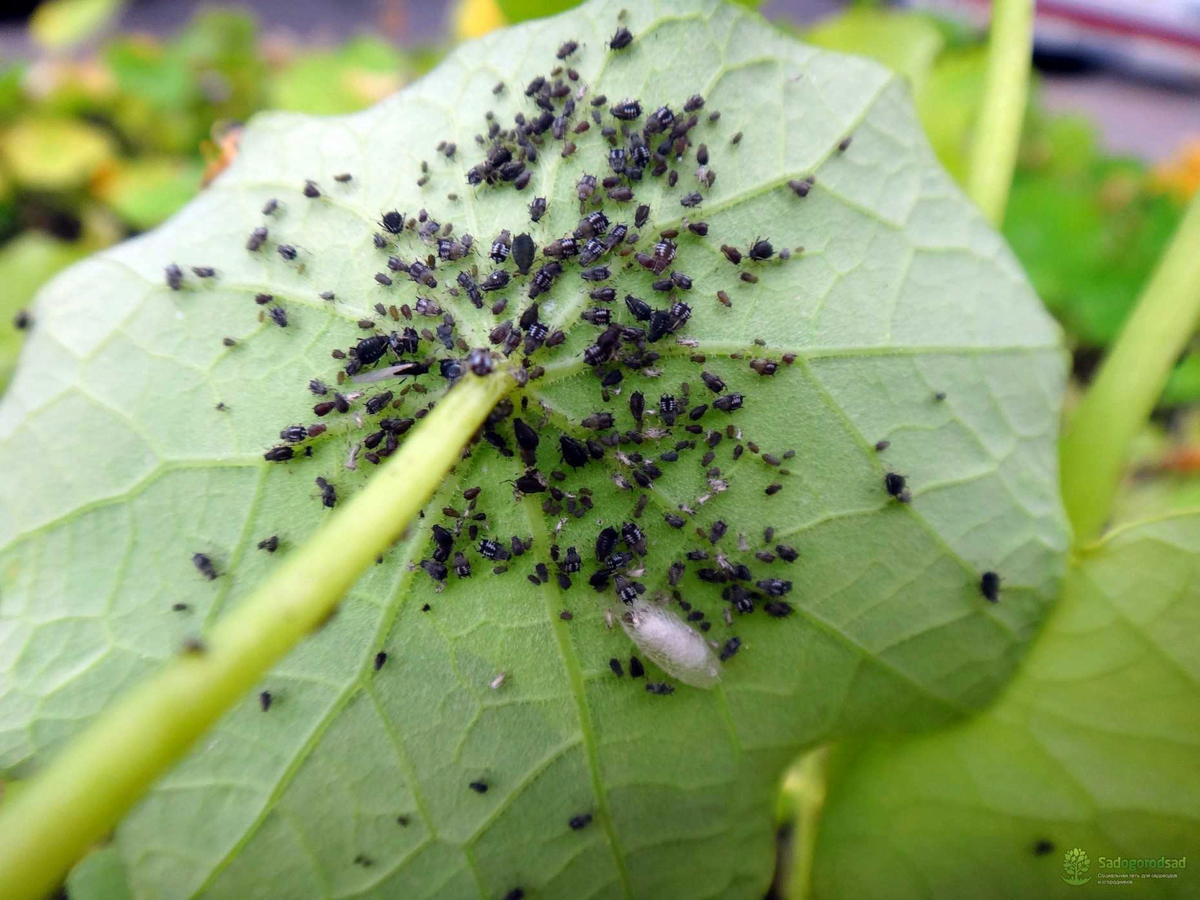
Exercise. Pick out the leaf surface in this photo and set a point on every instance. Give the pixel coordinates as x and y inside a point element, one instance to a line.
<point>1093,746</point>
<point>120,466</point>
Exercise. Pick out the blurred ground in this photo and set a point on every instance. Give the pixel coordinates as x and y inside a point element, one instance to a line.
<point>1138,118</point>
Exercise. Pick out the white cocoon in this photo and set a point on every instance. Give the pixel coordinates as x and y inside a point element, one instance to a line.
<point>671,644</point>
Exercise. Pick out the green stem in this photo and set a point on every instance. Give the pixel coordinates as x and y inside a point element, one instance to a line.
<point>104,771</point>
<point>998,131</point>
<point>808,787</point>
<point>1094,450</point>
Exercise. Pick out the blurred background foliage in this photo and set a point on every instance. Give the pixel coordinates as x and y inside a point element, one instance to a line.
<point>104,135</point>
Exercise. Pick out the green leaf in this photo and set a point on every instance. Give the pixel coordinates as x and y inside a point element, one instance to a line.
<point>902,291</point>
<point>1092,746</point>
<point>26,263</point>
<point>145,191</point>
<point>906,43</point>
<point>51,154</point>
<point>339,81</point>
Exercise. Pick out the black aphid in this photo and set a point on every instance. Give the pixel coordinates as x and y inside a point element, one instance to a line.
<point>571,562</point>
<point>380,659</point>
<point>328,492</point>
<point>567,48</point>
<point>691,199</point>
<point>543,279</point>
<point>287,251</point>
<point>257,238</point>
<point>634,538</point>
<point>264,700</point>
<point>598,273</point>
<point>989,586</point>
<point>270,544</point>
<point>379,402</point>
<point>205,565</point>
<point>778,609</point>
<point>761,249</point>
<point>294,434</point>
<point>493,550</point>
<point>462,565</point>
<point>637,406</point>
<point>270,206</point>
<point>606,541</point>
<point>311,190</point>
<point>733,254</point>
<point>659,688</point>
<point>383,278</point>
<point>522,252</point>
<point>369,350</point>
<point>626,110</point>
<point>497,279</point>
<point>618,670</point>
<point>480,787</point>
<point>717,531</point>
<point>1042,847</point>
<point>500,249</point>
<point>774,587</point>
<point>639,308</point>
<point>895,484</point>
<point>626,591</point>
<point>712,382</point>
<point>621,39</point>
<point>537,209</point>
<point>728,402</point>
<point>730,648</point>
<point>667,409</point>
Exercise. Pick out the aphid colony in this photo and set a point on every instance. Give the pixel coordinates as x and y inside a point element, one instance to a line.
<point>672,575</point>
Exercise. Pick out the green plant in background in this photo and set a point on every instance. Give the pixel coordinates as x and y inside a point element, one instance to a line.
<point>904,321</point>
<point>96,149</point>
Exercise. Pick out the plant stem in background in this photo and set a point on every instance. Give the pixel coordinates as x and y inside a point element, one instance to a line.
<point>998,131</point>
<point>103,772</point>
<point>807,783</point>
<point>1094,449</point>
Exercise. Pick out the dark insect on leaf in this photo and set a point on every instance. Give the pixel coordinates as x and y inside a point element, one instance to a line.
<point>522,252</point>
<point>626,110</point>
<point>761,249</point>
<point>574,453</point>
<point>728,402</point>
<point>204,564</point>
<point>606,542</point>
<point>667,409</point>
<point>537,209</point>
<point>989,586</point>
<point>896,486</point>
<point>691,199</point>
<point>660,689</point>
<point>493,550</point>
<point>621,39</point>
<point>639,308</point>
<point>328,493</point>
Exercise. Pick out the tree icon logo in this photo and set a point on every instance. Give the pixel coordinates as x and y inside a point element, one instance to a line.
<point>1075,867</point>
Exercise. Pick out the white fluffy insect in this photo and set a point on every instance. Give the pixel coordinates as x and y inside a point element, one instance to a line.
<point>671,644</point>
